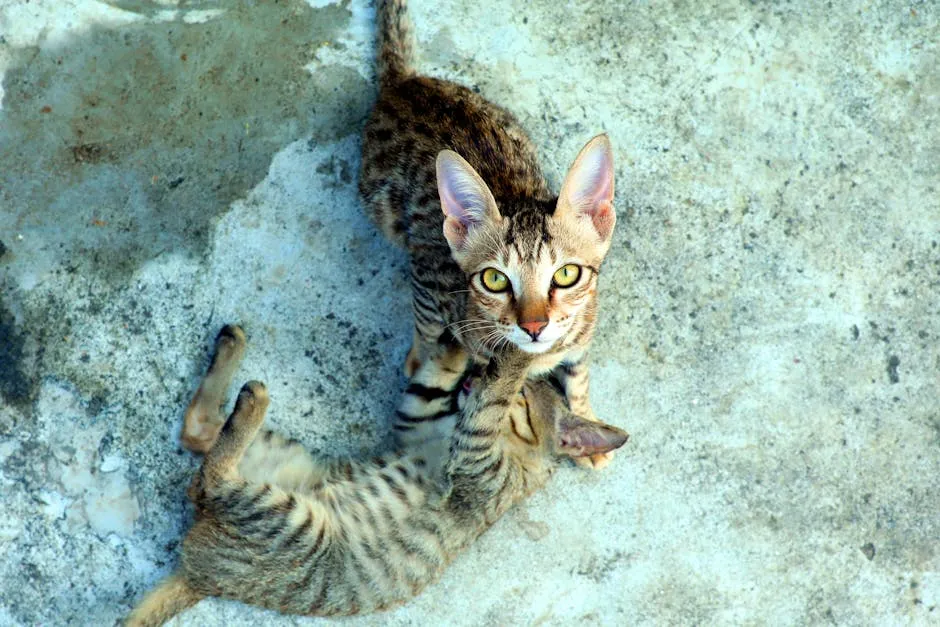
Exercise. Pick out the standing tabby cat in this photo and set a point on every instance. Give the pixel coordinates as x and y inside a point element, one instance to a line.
<point>506,261</point>
<point>280,529</point>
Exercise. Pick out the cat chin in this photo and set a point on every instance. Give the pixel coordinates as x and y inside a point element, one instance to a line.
<point>535,348</point>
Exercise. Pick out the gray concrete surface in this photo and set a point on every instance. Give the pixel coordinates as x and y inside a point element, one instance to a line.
<point>769,331</point>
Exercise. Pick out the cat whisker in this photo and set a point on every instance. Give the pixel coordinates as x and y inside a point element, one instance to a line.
<point>467,325</point>
<point>496,335</point>
<point>465,320</point>
<point>471,327</point>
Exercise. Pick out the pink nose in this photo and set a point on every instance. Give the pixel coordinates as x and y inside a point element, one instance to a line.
<point>533,327</point>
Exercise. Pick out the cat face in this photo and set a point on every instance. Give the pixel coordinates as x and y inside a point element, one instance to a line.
<point>537,289</point>
<point>532,270</point>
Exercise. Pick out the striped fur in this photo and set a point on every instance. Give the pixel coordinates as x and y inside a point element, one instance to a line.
<point>395,49</point>
<point>281,529</point>
<point>424,132</point>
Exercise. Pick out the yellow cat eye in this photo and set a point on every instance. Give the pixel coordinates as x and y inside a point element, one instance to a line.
<point>567,275</point>
<point>494,280</point>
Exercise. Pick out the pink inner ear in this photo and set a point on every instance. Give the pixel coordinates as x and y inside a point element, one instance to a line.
<point>603,219</point>
<point>464,195</point>
<point>589,186</point>
<point>601,189</point>
<point>455,232</point>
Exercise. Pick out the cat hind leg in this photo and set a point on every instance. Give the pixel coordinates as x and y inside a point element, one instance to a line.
<point>237,434</point>
<point>427,409</point>
<point>203,417</point>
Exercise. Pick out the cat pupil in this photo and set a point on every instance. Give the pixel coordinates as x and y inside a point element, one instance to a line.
<point>494,280</point>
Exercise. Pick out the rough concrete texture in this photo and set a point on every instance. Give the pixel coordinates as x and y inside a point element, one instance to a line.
<point>769,331</point>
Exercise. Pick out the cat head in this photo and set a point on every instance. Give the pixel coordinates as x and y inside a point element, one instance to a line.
<point>541,424</point>
<point>560,431</point>
<point>533,271</point>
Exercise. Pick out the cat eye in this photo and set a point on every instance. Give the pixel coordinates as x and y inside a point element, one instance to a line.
<point>494,280</point>
<point>567,275</point>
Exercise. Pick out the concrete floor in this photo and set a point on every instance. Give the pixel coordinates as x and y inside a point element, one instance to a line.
<point>769,328</point>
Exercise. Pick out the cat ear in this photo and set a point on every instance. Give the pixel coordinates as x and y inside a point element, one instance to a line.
<point>589,186</point>
<point>578,437</point>
<point>465,199</point>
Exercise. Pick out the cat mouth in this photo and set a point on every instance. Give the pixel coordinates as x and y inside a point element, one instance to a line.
<point>536,346</point>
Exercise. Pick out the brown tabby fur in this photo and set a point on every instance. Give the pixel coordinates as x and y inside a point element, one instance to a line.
<point>527,229</point>
<point>278,528</point>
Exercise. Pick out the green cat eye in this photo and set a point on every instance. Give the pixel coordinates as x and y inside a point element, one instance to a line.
<point>567,275</point>
<point>494,280</point>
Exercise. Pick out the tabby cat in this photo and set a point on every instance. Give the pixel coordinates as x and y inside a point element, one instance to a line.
<point>280,529</point>
<point>496,258</point>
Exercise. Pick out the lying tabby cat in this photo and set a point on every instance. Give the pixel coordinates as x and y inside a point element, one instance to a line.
<point>280,529</point>
<point>508,262</point>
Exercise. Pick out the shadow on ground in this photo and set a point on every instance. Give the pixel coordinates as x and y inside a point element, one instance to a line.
<point>125,143</point>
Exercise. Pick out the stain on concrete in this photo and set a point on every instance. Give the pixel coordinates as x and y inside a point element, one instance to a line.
<point>16,385</point>
<point>598,568</point>
<point>893,362</point>
<point>335,373</point>
<point>34,342</point>
<point>140,136</point>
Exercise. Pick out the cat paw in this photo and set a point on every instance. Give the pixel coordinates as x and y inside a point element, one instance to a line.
<point>595,462</point>
<point>251,405</point>
<point>200,428</point>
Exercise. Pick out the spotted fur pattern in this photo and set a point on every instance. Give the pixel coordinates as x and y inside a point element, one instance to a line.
<point>455,180</point>
<point>281,529</point>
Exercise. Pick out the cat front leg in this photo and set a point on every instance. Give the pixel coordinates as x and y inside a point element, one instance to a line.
<point>415,356</point>
<point>477,468</point>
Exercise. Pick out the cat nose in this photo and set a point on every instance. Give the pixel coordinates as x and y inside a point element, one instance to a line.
<point>534,327</point>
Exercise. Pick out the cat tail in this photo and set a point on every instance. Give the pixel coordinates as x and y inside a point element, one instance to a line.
<point>395,43</point>
<point>169,598</point>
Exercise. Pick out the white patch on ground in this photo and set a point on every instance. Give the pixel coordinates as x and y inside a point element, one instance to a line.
<point>111,507</point>
<point>48,24</point>
<point>354,48</point>
<point>107,502</point>
<point>54,504</point>
<point>198,17</point>
<point>25,24</point>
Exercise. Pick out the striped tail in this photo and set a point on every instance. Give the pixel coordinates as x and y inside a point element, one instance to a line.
<point>395,47</point>
<point>169,598</point>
